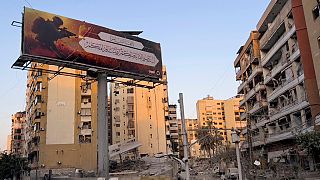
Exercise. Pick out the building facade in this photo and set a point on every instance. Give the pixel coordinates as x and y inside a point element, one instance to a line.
<point>220,114</point>
<point>17,137</point>
<point>139,114</point>
<point>172,130</point>
<point>278,81</point>
<point>311,13</point>
<point>191,127</point>
<point>61,121</point>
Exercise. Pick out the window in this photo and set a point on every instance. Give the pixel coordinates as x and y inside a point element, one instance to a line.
<point>84,139</point>
<point>151,145</point>
<point>319,42</point>
<point>117,125</point>
<point>86,125</point>
<point>117,133</point>
<point>130,91</point>
<point>151,136</point>
<point>316,12</point>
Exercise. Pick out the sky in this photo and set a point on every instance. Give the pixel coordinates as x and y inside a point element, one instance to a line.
<point>199,41</point>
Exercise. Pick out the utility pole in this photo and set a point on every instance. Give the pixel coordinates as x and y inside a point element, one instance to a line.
<point>185,137</point>
<point>103,154</point>
<point>236,140</point>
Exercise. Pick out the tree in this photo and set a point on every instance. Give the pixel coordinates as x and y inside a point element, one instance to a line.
<point>311,142</point>
<point>12,165</point>
<point>209,139</point>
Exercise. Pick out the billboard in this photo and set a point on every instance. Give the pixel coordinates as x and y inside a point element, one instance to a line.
<point>57,40</point>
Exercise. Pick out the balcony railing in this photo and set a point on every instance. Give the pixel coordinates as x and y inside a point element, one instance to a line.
<point>288,84</point>
<point>271,30</point>
<point>240,88</point>
<point>292,107</point>
<point>281,41</point>
<point>255,71</point>
<point>243,116</point>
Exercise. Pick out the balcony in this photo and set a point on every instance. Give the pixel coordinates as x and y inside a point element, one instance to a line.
<point>240,88</point>
<point>256,70</point>
<point>282,64</point>
<point>242,102</point>
<point>243,116</point>
<point>85,131</point>
<point>271,32</point>
<point>257,106</point>
<point>288,84</point>
<point>262,121</point>
<point>281,41</point>
<point>86,105</point>
<point>260,86</point>
<point>250,94</point>
<point>280,135</point>
<point>295,106</point>
<point>85,118</point>
<point>86,92</point>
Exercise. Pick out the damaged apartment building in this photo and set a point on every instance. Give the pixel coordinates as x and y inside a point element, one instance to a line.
<point>277,78</point>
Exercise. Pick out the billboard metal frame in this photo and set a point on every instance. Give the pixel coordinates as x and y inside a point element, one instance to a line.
<point>92,76</point>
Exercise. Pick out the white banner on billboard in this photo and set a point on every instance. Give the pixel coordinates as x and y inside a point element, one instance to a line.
<point>116,51</point>
<point>120,40</point>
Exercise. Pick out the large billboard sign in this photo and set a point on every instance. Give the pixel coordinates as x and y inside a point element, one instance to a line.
<point>57,40</point>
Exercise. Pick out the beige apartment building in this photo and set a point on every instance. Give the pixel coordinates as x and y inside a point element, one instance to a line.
<point>139,114</point>
<point>191,127</point>
<point>17,136</point>
<point>61,118</point>
<point>172,130</point>
<point>277,80</point>
<point>221,114</point>
<point>8,150</point>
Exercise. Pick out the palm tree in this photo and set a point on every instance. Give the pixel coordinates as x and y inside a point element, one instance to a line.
<point>209,139</point>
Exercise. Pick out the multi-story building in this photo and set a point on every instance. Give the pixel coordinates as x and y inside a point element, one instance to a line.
<point>17,144</point>
<point>138,114</point>
<point>61,121</point>
<point>252,87</point>
<point>191,127</point>
<point>277,98</point>
<point>220,114</point>
<point>172,130</point>
<point>232,113</point>
<point>8,150</point>
<point>311,11</point>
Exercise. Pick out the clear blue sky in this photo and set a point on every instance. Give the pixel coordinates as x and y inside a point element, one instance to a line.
<point>199,41</point>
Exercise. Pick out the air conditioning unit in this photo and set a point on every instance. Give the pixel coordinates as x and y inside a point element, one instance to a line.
<point>42,129</point>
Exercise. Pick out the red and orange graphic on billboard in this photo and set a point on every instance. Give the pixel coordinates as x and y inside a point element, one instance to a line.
<point>80,45</point>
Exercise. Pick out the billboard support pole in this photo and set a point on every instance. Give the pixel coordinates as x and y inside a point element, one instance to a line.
<point>103,154</point>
